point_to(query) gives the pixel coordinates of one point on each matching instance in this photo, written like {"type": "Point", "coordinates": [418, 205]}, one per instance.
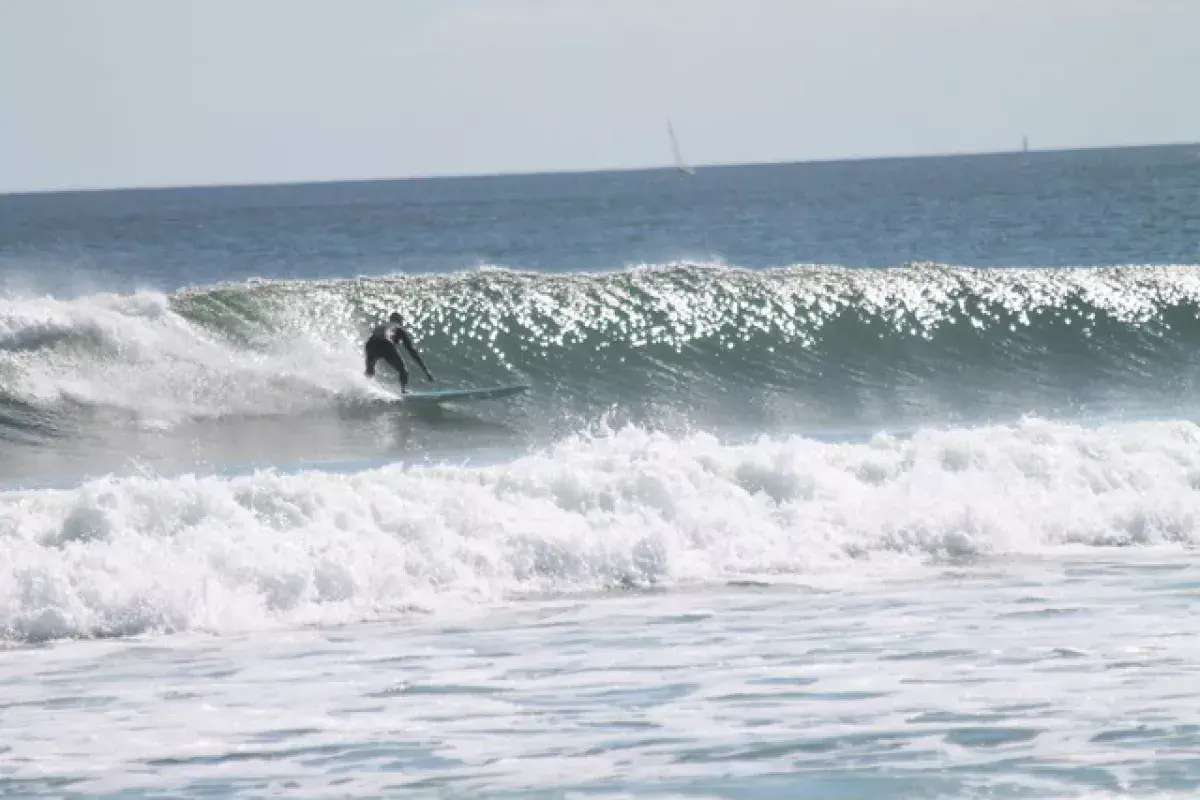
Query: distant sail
{"type": "Point", "coordinates": [679, 165]}
{"type": "Point", "coordinates": [1025, 144]}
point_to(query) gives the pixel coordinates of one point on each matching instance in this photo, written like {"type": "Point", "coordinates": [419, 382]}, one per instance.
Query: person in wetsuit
{"type": "Point", "coordinates": [382, 345]}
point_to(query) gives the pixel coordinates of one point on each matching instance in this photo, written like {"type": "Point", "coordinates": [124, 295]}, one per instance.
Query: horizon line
{"type": "Point", "coordinates": [579, 171]}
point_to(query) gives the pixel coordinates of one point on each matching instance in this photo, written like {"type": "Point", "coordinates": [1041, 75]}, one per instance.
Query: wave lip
{"type": "Point", "coordinates": [144, 554]}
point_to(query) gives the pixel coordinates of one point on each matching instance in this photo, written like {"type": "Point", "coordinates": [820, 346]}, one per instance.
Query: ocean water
{"type": "Point", "coordinates": [848, 480]}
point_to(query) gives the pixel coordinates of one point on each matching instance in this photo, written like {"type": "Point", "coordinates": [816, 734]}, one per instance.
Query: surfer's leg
{"type": "Point", "coordinates": [372, 357]}
{"type": "Point", "coordinates": [375, 349]}
{"type": "Point", "coordinates": [392, 356]}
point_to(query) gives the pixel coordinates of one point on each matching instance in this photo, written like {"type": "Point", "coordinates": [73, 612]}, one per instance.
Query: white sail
{"type": "Point", "coordinates": [679, 165]}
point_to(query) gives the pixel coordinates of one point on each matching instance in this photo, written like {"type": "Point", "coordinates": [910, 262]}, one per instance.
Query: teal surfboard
{"type": "Point", "coordinates": [439, 396]}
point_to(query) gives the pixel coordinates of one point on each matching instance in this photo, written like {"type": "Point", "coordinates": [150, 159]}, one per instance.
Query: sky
{"type": "Point", "coordinates": [153, 93]}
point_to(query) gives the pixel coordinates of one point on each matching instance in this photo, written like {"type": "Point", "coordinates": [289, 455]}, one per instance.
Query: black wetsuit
{"type": "Point", "coordinates": [382, 346]}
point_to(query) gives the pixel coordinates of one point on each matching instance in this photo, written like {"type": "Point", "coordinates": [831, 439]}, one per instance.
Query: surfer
{"type": "Point", "coordinates": [382, 345]}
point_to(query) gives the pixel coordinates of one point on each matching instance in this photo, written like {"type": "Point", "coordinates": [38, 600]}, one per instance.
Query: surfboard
{"type": "Point", "coordinates": [438, 396]}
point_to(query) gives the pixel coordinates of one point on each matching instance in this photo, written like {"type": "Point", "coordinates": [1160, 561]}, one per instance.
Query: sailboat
{"type": "Point", "coordinates": [679, 165]}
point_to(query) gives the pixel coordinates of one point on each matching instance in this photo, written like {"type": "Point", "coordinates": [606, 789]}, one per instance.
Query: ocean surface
{"type": "Point", "coordinates": [868, 479]}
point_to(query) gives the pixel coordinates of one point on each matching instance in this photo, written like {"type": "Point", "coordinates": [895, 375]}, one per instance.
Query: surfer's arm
{"type": "Point", "coordinates": [407, 341]}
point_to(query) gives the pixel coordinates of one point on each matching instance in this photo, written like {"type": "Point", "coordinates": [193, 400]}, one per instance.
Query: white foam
{"type": "Point", "coordinates": [136, 353]}
{"type": "Point", "coordinates": [213, 553]}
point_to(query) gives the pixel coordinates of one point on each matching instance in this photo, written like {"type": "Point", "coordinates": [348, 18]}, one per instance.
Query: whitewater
{"type": "Point", "coordinates": [795, 506]}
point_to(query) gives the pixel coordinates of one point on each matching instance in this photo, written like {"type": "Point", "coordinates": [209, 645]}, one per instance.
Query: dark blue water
{"type": "Point", "coordinates": [1080, 208]}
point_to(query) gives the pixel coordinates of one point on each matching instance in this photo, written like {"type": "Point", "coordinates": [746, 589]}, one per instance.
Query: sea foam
{"type": "Point", "coordinates": [130, 555]}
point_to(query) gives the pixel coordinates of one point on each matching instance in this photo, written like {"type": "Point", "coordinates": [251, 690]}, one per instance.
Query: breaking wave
{"type": "Point", "coordinates": [633, 508]}
{"type": "Point", "coordinates": [838, 344]}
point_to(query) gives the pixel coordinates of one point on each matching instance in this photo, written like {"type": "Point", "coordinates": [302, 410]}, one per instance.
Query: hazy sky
{"type": "Point", "coordinates": [153, 92]}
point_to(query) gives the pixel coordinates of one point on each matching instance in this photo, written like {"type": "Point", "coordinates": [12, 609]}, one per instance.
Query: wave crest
{"type": "Point", "coordinates": [845, 345]}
